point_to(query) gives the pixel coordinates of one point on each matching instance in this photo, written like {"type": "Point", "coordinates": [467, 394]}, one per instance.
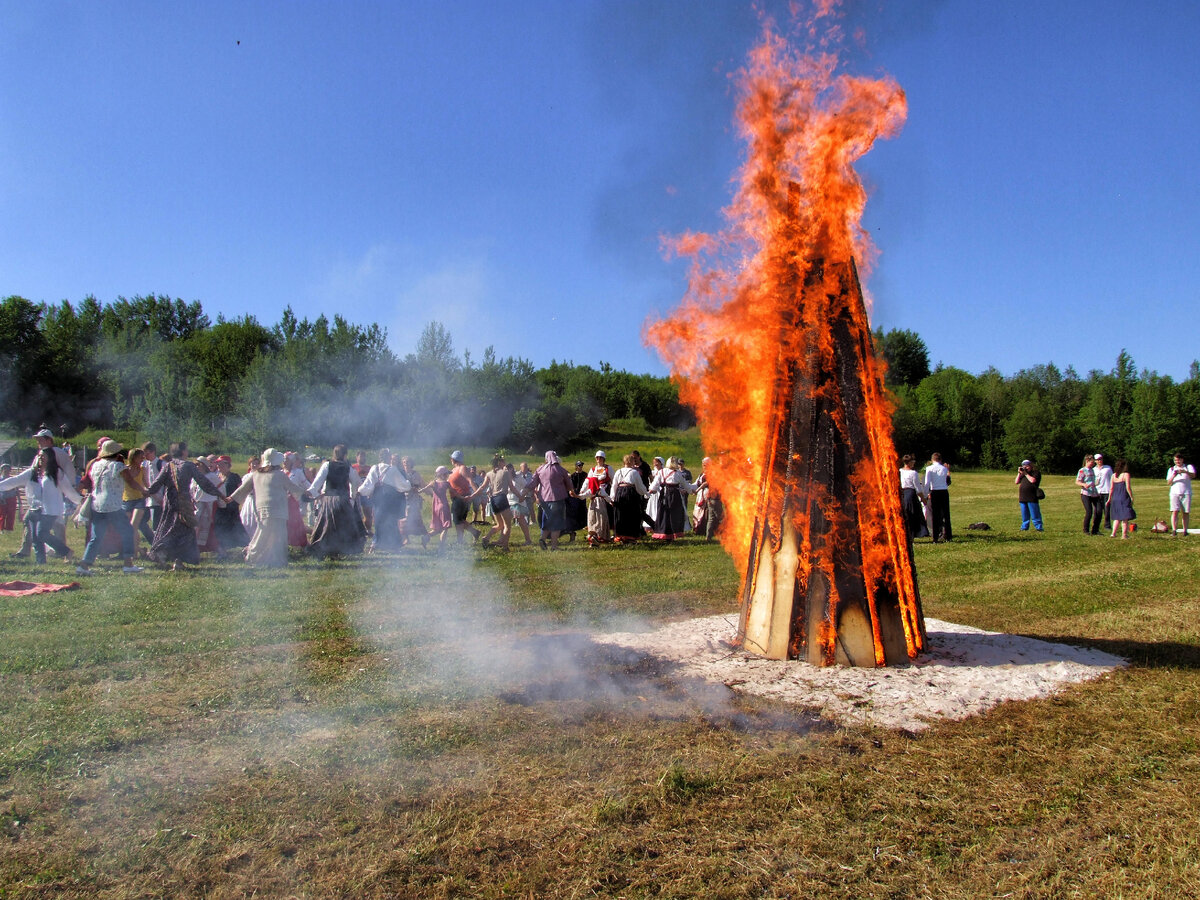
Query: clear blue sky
{"type": "Point", "coordinates": [507, 168]}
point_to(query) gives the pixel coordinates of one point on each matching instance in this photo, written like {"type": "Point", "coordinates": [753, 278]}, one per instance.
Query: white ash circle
{"type": "Point", "coordinates": [965, 671]}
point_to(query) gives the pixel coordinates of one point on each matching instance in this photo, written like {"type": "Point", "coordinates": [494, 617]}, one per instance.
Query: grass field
{"type": "Point", "coordinates": [416, 726]}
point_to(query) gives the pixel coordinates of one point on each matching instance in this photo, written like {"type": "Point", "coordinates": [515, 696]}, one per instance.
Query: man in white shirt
{"type": "Point", "coordinates": [388, 488]}
{"type": "Point", "coordinates": [1104, 477]}
{"type": "Point", "coordinates": [1179, 477]}
{"type": "Point", "coordinates": [937, 486]}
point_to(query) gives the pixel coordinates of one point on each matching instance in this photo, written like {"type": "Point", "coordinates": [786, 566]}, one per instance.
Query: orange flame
{"type": "Point", "coordinates": [804, 126]}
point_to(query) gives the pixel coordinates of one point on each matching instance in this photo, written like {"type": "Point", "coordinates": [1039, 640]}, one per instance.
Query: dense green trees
{"type": "Point", "coordinates": [161, 367]}
{"type": "Point", "coordinates": [1051, 416]}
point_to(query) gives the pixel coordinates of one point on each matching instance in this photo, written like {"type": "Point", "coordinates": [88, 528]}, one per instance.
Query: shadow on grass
{"type": "Point", "coordinates": [1142, 654]}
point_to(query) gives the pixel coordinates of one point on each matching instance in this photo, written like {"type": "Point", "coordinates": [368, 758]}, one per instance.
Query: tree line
{"type": "Point", "coordinates": [1043, 413]}
{"type": "Point", "coordinates": [159, 366]}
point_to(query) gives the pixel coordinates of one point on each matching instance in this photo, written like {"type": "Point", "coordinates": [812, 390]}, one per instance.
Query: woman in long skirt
{"type": "Point", "coordinates": [414, 519]}
{"type": "Point", "coordinates": [911, 490]}
{"type": "Point", "coordinates": [175, 537]}
{"type": "Point", "coordinates": [271, 490]}
{"type": "Point", "coordinates": [671, 488]}
{"type": "Point", "coordinates": [628, 493]}
{"type": "Point", "coordinates": [338, 528]}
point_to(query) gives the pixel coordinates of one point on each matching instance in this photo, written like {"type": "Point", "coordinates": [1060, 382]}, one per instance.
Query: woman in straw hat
{"type": "Point", "coordinates": [109, 476]}
{"type": "Point", "coordinates": [270, 488]}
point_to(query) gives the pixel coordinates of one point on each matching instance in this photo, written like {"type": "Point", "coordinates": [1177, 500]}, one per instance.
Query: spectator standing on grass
{"type": "Point", "coordinates": [1093, 506]}
{"type": "Point", "coordinates": [1104, 479]}
{"type": "Point", "coordinates": [1028, 484]}
{"type": "Point", "coordinates": [269, 489]}
{"type": "Point", "coordinates": [937, 489]}
{"type": "Point", "coordinates": [912, 490]}
{"type": "Point", "coordinates": [1179, 479]}
{"type": "Point", "coordinates": [1120, 501]}
{"type": "Point", "coordinates": [109, 475]}
{"type": "Point", "coordinates": [552, 486]}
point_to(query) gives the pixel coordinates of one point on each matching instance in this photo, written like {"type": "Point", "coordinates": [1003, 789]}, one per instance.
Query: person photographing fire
{"type": "Point", "coordinates": [1179, 480]}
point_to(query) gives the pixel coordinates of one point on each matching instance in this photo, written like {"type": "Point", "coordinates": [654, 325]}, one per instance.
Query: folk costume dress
{"type": "Point", "coordinates": [227, 519]}
{"type": "Point", "coordinates": [272, 490]}
{"type": "Point", "coordinates": [297, 533]}
{"type": "Point", "coordinates": [671, 519]}
{"type": "Point", "coordinates": [175, 537]}
{"type": "Point", "coordinates": [338, 528]}
{"type": "Point", "coordinates": [595, 492]}
{"type": "Point", "coordinates": [629, 493]}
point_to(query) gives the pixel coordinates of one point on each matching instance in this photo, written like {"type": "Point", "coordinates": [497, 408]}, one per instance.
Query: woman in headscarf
{"type": "Point", "coordinates": [552, 486]}
{"type": "Point", "coordinates": [671, 488]}
{"type": "Point", "coordinates": [338, 528]}
{"type": "Point", "coordinates": [271, 490]}
{"type": "Point", "coordinates": [629, 492]}
{"type": "Point", "coordinates": [175, 537]}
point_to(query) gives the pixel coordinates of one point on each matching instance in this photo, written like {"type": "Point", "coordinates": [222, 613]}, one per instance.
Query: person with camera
{"type": "Point", "coordinates": [1179, 479]}
{"type": "Point", "coordinates": [1029, 495]}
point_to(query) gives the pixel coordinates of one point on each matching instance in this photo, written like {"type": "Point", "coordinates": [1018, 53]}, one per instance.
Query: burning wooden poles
{"type": "Point", "coordinates": [830, 577]}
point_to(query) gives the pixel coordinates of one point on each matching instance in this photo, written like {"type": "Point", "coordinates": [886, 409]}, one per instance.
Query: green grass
{"type": "Point", "coordinates": [419, 726]}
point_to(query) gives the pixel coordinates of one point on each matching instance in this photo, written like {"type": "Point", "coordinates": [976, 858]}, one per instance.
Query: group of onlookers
{"type": "Point", "coordinates": [925, 500]}
{"type": "Point", "coordinates": [185, 506]}
{"type": "Point", "coordinates": [1109, 489]}
{"type": "Point", "coordinates": [1106, 492]}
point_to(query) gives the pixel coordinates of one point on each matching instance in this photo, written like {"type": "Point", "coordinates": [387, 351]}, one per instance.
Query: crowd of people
{"type": "Point", "coordinates": [183, 506]}
{"type": "Point", "coordinates": [1105, 491]}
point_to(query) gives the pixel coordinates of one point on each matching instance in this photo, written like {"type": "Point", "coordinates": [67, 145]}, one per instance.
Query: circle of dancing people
{"type": "Point", "coordinates": [183, 506]}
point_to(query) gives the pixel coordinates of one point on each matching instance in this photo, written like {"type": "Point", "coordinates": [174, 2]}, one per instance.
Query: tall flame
{"type": "Point", "coordinates": [797, 209]}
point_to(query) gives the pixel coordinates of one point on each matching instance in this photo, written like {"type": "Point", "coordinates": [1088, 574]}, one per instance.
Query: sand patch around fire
{"type": "Point", "coordinates": [965, 671]}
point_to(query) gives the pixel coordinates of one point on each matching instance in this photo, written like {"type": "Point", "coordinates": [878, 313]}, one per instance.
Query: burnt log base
{"type": "Point", "coordinates": [830, 577]}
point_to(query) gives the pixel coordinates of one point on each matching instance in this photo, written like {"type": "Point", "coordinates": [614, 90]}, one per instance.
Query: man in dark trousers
{"type": "Point", "coordinates": [937, 485]}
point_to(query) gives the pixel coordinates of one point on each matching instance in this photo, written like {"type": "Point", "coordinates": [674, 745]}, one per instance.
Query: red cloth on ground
{"type": "Point", "coordinates": [24, 588]}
